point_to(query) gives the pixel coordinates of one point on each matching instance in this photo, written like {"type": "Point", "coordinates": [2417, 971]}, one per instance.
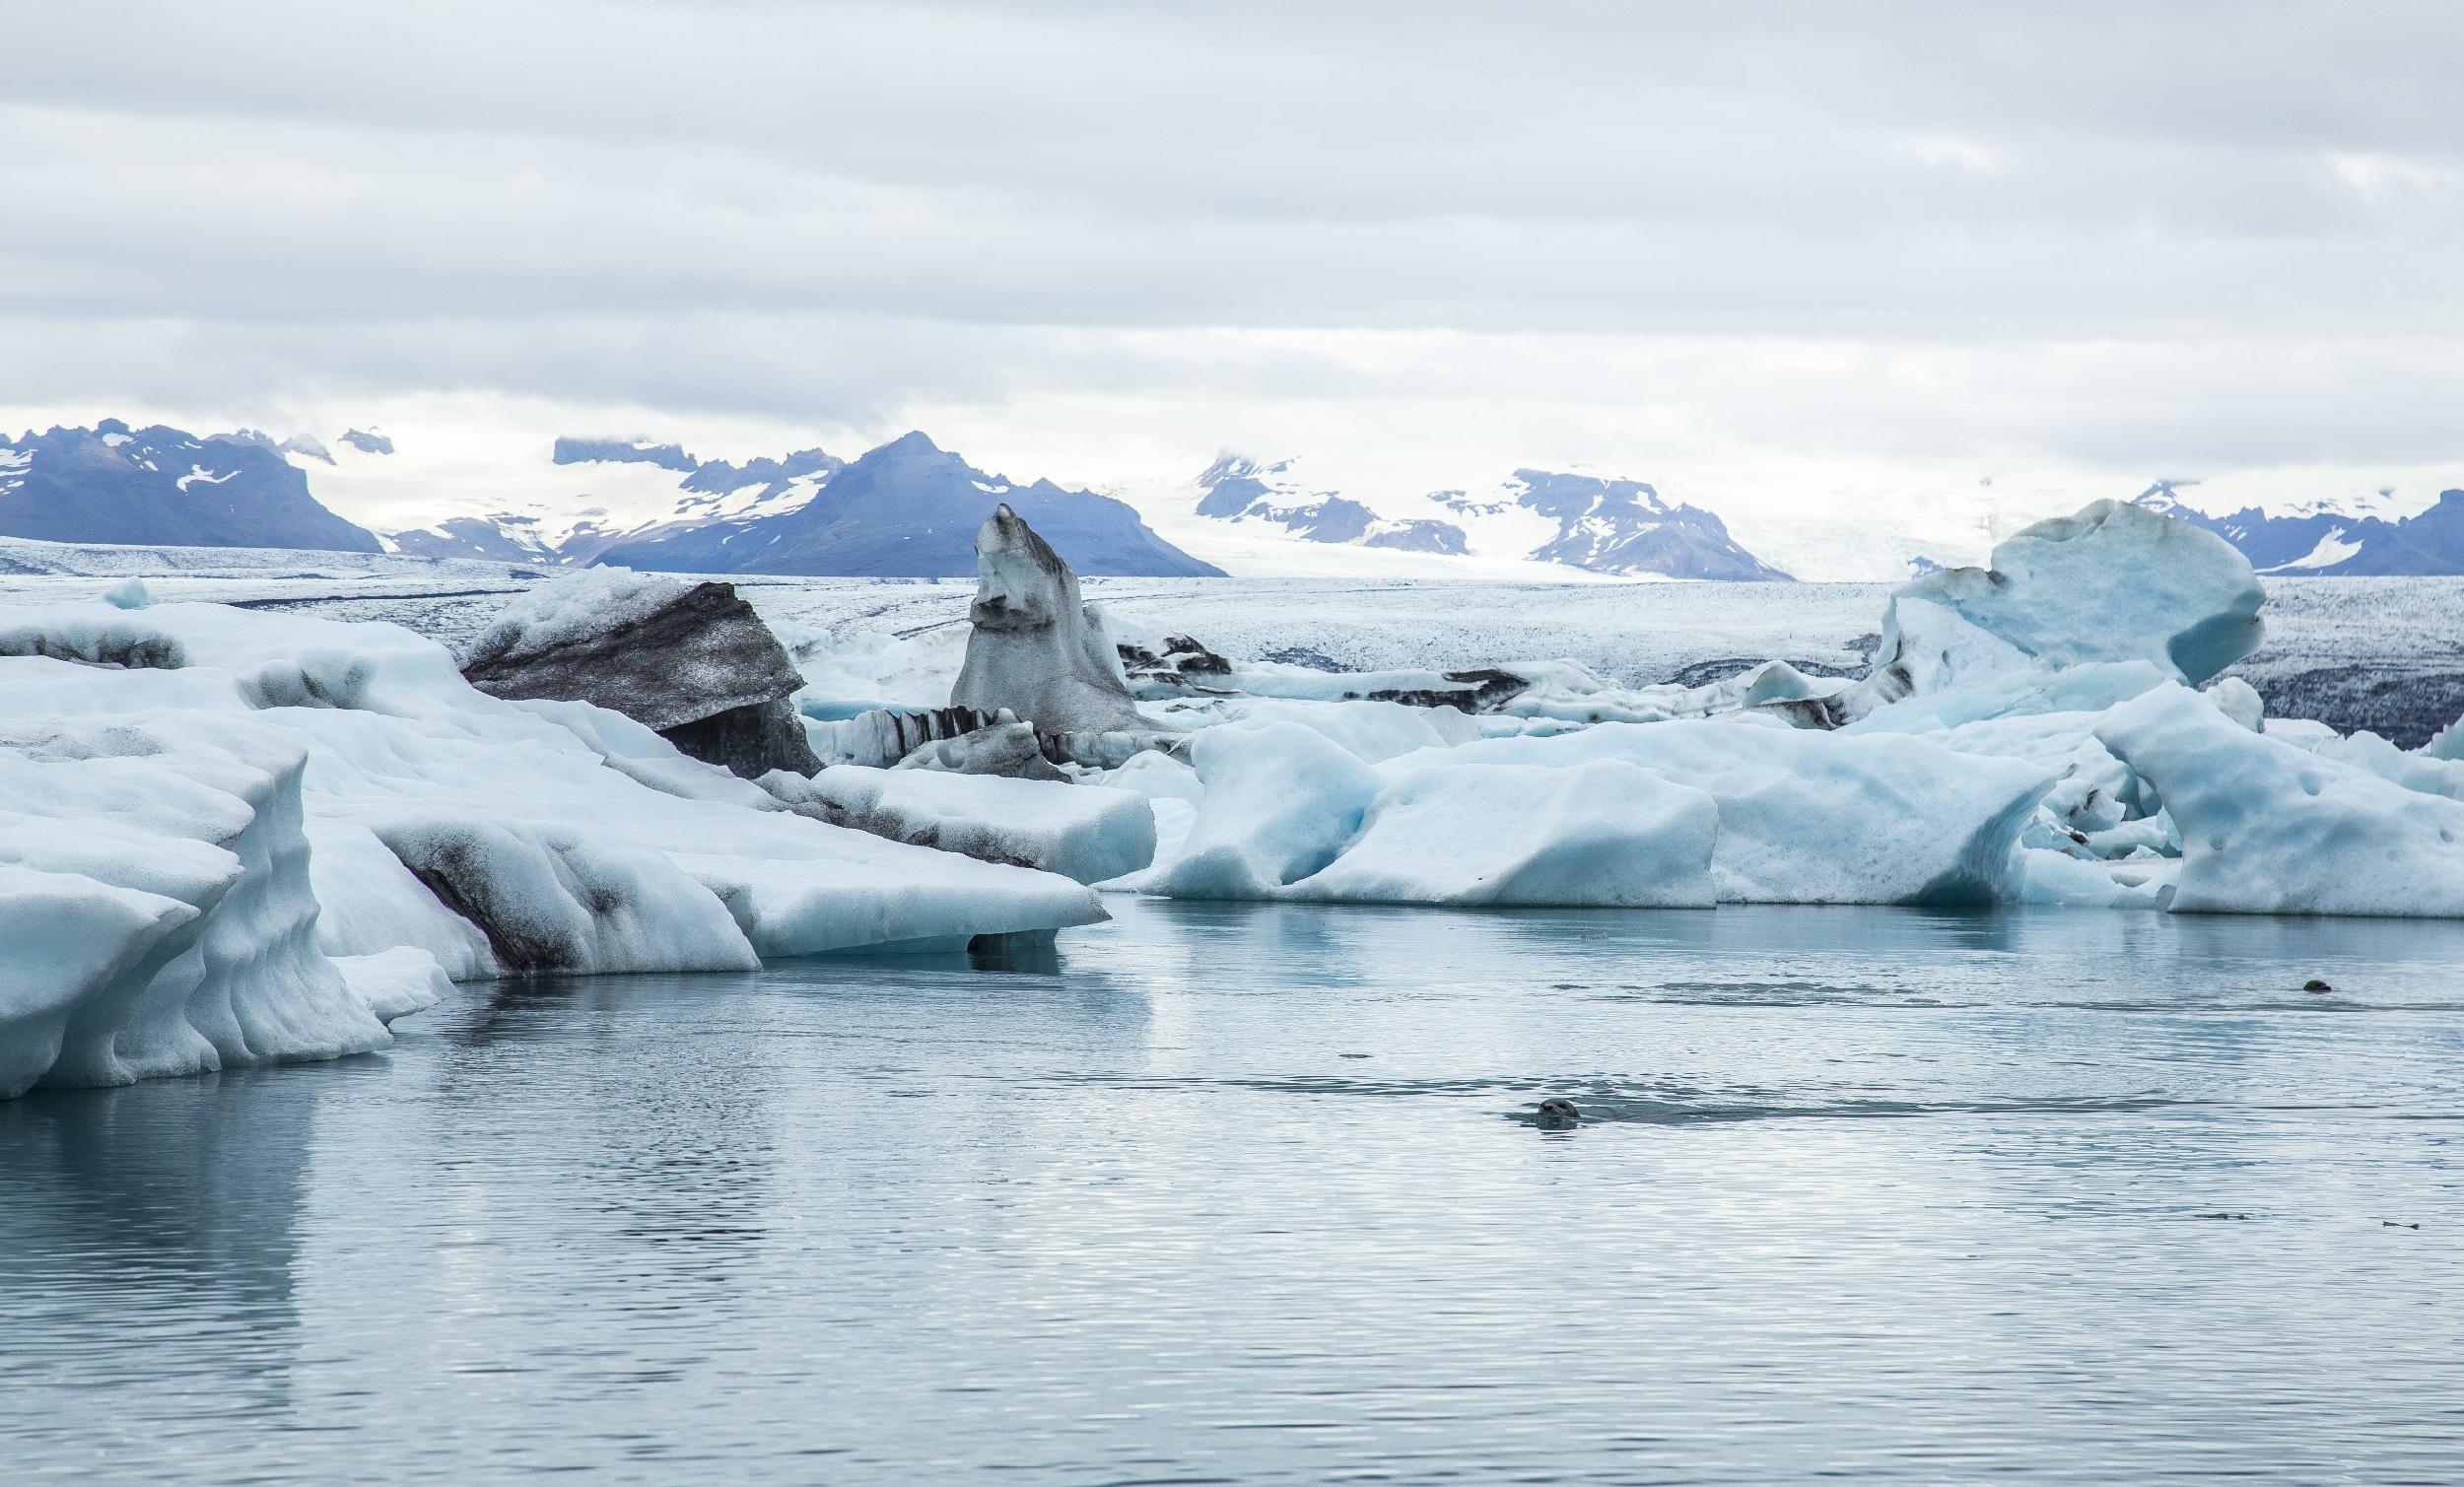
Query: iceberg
{"type": "Point", "coordinates": [1289, 813]}
{"type": "Point", "coordinates": [692, 663]}
{"type": "Point", "coordinates": [1603, 835]}
{"type": "Point", "coordinates": [1809, 816]}
{"type": "Point", "coordinates": [155, 910]}
{"type": "Point", "coordinates": [2266, 828]}
{"type": "Point", "coordinates": [234, 836]}
{"type": "Point", "coordinates": [1782, 815]}
{"type": "Point", "coordinates": [1035, 650]}
{"type": "Point", "coordinates": [2115, 582]}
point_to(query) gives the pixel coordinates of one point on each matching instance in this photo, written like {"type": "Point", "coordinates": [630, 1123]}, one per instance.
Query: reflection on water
{"type": "Point", "coordinates": [1229, 1193]}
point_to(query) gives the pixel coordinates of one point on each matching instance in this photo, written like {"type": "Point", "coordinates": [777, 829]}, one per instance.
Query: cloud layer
{"type": "Point", "coordinates": [1108, 238]}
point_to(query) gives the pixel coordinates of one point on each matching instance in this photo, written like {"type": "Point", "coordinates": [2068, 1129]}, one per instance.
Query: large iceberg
{"type": "Point", "coordinates": [2115, 582]}
{"type": "Point", "coordinates": [1737, 811]}
{"type": "Point", "coordinates": [1817, 818]}
{"type": "Point", "coordinates": [1035, 650]}
{"type": "Point", "coordinates": [2269, 828]}
{"type": "Point", "coordinates": [157, 915]}
{"type": "Point", "coordinates": [692, 663]}
{"type": "Point", "coordinates": [216, 817]}
{"type": "Point", "coordinates": [1290, 813]}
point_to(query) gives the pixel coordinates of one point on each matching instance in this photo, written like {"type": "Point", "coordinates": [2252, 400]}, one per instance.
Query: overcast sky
{"type": "Point", "coordinates": [1757, 242]}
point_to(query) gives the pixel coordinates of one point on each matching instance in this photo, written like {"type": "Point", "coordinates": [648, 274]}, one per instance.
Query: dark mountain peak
{"type": "Point", "coordinates": [2320, 541]}
{"type": "Point", "coordinates": [718, 477]}
{"type": "Point", "coordinates": [907, 508]}
{"type": "Point", "coordinates": [1623, 526]}
{"type": "Point", "coordinates": [161, 486]}
{"type": "Point", "coordinates": [367, 440]}
{"type": "Point", "coordinates": [1237, 485]}
{"type": "Point", "coordinates": [912, 444]}
{"type": "Point", "coordinates": [1561, 494]}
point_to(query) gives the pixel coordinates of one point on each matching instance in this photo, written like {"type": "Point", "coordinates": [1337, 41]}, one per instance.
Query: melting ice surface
{"type": "Point", "coordinates": [1244, 1193]}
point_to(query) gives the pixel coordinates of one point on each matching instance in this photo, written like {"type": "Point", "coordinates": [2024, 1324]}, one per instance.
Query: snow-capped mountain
{"type": "Point", "coordinates": [2324, 539]}
{"type": "Point", "coordinates": [1573, 521]}
{"type": "Point", "coordinates": [159, 485]}
{"type": "Point", "coordinates": [1243, 490]}
{"type": "Point", "coordinates": [906, 509]}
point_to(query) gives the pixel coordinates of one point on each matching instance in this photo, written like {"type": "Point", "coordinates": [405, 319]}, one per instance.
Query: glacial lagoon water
{"type": "Point", "coordinates": [1251, 1195]}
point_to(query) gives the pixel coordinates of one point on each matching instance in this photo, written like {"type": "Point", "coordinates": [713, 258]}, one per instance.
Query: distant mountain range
{"type": "Point", "coordinates": [1588, 523]}
{"type": "Point", "coordinates": [2320, 541]}
{"type": "Point", "coordinates": [1242, 489]}
{"type": "Point", "coordinates": [114, 484]}
{"type": "Point", "coordinates": [909, 509]}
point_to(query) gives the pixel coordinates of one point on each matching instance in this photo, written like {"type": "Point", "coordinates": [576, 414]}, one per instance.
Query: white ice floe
{"type": "Point", "coordinates": [273, 791]}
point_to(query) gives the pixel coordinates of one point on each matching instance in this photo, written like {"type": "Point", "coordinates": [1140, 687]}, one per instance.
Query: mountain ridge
{"type": "Point", "coordinates": [166, 487]}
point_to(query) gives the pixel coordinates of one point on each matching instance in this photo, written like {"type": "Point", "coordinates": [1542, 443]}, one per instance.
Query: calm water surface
{"type": "Point", "coordinates": [1251, 1195]}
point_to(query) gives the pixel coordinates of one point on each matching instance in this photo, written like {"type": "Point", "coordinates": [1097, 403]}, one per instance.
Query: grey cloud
{"type": "Point", "coordinates": [2222, 229]}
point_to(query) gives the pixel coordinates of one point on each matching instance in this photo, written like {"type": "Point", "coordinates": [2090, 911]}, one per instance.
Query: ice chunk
{"type": "Point", "coordinates": [2115, 582]}
{"type": "Point", "coordinates": [155, 910]}
{"type": "Point", "coordinates": [1033, 649]}
{"type": "Point", "coordinates": [395, 983]}
{"type": "Point", "coordinates": [2448, 742]}
{"type": "Point", "coordinates": [2238, 701]}
{"type": "Point", "coordinates": [1281, 802]}
{"type": "Point", "coordinates": [71, 942]}
{"type": "Point", "coordinates": [1773, 687]}
{"type": "Point", "coordinates": [1798, 817]}
{"type": "Point", "coordinates": [1089, 832]}
{"type": "Point", "coordinates": [1600, 835]}
{"type": "Point", "coordinates": [2268, 829]}
{"type": "Point", "coordinates": [2414, 771]}
{"type": "Point", "coordinates": [1817, 818]}
{"type": "Point", "coordinates": [694, 664]}
{"type": "Point", "coordinates": [128, 593]}
{"type": "Point", "coordinates": [1008, 749]}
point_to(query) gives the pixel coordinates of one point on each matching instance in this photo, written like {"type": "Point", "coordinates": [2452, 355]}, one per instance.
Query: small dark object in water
{"type": "Point", "coordinates": [2392, 1224]}
{"type": "Point", "coordinates": [1558, 1114]}
{"type": "Point", "coordinates": [2315, 984]}
{"type": "Point", "coordinates": [1351, 1055]}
